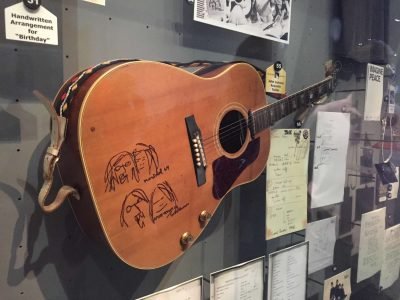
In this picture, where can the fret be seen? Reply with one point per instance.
(282, 108)
(289, 105)
(276, 113)
(311, 95)
(321, 90)
(279, 114)
(272, 116)
(302, 99)
(259, 121)
(294, 103)
(264, 121)
(253, 122)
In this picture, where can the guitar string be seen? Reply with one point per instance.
(263, 118)
(267, 108)
(237, 126)
(229, 136)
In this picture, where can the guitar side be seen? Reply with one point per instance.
(138, 156)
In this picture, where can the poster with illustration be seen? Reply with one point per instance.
(268, 19)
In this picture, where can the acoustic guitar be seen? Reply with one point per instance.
(151, 150)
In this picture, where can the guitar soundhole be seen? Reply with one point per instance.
(232, 131)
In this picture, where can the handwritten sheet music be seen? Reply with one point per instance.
(189, 290)
(330, 152)
(338, 286)
(322, 238)
(241, 282)
(372, 235)
(287, 273)
(391, 257)
(287, 182)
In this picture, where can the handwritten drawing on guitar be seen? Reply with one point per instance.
(160, 147)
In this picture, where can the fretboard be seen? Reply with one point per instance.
(265, 117)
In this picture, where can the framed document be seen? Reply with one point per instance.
(244, 281)
(188, 290)
(287, 273)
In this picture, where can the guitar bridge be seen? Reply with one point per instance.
(197, 149)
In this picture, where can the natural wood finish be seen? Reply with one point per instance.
(147, 102)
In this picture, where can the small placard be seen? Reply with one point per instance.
(22, 24)
(374, 93)
(99, 2)
(275, 79)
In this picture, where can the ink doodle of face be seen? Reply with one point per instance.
(119, 169)
(135, 207)
(163, 202)
(141, 161)
(146, 160)
(122, 168)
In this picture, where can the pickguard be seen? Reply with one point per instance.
(227, 170)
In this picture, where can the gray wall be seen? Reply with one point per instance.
(47, 256)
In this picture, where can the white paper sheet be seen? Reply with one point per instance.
(391, 257)
(39, 26)
(287, 182)
(372, 235)
(287, 273)
(99, 2)
(373, 93)
(330, 153)
(322, 238)
(241, 282)
(338, 287)
(189, 290)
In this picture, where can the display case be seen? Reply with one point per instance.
(227, 149)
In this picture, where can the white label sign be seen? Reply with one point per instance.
(39, 26)
(374, 93)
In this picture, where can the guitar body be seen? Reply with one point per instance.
(131, 155)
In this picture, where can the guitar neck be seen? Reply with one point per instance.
(266, 116)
